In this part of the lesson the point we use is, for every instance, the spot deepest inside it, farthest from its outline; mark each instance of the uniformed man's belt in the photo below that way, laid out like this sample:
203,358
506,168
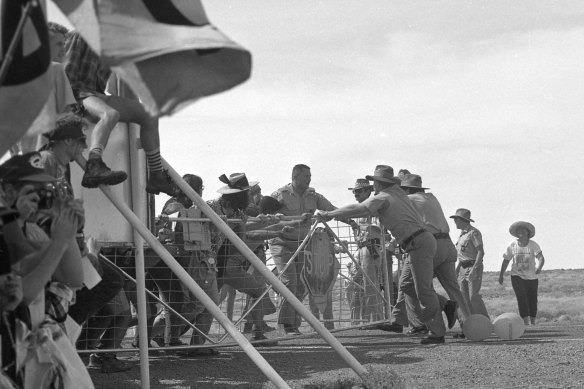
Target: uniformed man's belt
442,235
368,242
466,264
405,243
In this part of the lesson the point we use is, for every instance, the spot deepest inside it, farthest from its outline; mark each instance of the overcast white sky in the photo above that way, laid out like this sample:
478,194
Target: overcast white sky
483,99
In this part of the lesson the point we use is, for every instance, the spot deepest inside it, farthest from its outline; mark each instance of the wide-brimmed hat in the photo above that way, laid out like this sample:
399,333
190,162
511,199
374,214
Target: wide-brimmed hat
412,181
383,173
362,183
26,167
528,226
237,182
462,213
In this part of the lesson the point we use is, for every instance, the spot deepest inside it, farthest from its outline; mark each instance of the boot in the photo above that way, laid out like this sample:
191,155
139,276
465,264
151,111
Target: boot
266,327
247,328
158,182
267,343
108,363
391,327
450,311
97,173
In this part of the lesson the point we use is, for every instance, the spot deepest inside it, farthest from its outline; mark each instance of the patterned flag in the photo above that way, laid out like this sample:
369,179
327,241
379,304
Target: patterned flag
28,82
165,50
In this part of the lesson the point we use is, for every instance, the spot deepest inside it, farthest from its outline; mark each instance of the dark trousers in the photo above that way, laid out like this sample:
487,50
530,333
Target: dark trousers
89,301
526,293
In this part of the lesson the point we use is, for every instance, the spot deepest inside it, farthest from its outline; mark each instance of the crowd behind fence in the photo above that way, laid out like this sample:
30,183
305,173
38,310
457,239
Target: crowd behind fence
168,299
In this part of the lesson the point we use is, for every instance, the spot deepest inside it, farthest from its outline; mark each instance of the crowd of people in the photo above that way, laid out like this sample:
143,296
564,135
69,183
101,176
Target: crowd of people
51,309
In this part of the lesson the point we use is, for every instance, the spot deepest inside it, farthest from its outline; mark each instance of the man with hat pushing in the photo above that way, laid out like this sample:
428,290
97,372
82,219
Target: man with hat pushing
368,237
470,255
401,218
444,261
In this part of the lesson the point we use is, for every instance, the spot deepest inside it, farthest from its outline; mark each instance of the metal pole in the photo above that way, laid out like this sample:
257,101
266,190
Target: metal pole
186,279
268,275
387,275
139,207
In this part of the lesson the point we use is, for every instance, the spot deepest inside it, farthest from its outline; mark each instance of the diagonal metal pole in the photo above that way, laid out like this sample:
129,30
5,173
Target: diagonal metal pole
268,275
186,279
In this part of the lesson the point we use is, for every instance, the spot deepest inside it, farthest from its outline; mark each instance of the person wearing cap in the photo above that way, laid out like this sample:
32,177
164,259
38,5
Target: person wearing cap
66,142
223,264
51,269
168,285
470,255
397,213
28,189
296,198
368,238
523,252
445,259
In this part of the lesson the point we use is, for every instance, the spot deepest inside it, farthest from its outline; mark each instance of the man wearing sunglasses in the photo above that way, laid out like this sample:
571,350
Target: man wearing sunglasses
66,142
368,237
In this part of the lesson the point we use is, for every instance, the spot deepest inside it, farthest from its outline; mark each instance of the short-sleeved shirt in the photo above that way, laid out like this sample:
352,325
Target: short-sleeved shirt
432,215
395,211
523,258
294,204
467,244
84,68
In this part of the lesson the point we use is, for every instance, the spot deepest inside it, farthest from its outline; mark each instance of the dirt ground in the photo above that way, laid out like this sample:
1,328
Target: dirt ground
546,356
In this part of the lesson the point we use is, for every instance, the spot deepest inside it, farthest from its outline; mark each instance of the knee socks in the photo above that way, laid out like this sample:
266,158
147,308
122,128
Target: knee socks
154,160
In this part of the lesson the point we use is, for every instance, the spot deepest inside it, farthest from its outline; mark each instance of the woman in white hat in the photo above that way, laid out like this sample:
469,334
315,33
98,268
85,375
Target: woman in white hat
523,252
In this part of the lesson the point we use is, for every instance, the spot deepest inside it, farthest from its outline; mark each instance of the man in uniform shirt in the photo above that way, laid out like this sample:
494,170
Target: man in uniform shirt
400,217
296,198
470,261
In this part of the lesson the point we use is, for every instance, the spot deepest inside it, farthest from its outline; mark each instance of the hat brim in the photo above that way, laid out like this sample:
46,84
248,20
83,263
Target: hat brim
411,186
394,180
39,177
363,187
227,190
528,226
460,217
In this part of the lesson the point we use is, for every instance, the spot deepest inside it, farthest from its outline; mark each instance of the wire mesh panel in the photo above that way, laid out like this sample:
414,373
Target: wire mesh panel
242,293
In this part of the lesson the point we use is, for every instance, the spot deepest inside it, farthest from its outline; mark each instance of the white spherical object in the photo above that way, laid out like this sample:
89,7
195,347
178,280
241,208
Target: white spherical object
477,327
509,326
